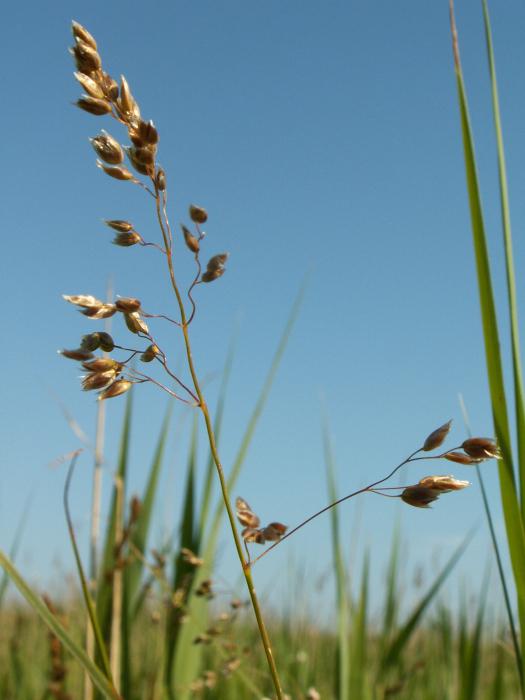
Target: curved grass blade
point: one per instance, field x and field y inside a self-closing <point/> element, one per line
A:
<point x="4" y="582"/>
<point x="401" y="639"/>
<point x="342" y="679"/>
<point x="83" y="581"/>
<point x="98" y="678"/>
<point x="509" y="264"/>
<point x="509" y="497"/>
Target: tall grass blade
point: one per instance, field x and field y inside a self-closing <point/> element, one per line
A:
<point x="358" y="660"/>
<point x="183" y="576"/>
<point x="509" y="264"/>
<point x="342" y="679"/>
<point x="509" y="496"/>
<point x="472" y="649"/>
<point x="403" y="635"/>
<point x="392" y="602"/>
<point x="98" y="678"/>
<point x="17" y="539"/>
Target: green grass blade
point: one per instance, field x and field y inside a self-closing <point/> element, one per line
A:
<point x="358" y="660"/>
<point x="98" y="678"/>
<point x="404" y="634"/>
<point x="472" y="649"/>
<point x="183" y="576"/>
<point x="509" y="264"/>
<point x="105" y="584"/>
<point x="392" y="602"/>
<point x="139" y="536"/>
<point x="83" y="580"/>
<point x="342" y="678"/>
<point x="511" y="507"/>
<point x="17" y="539"/>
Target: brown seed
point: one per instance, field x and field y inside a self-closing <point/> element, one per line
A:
<point x="118" y="172"/>
<point x="419" y="496"/>
<point x="91" y="86"/>
<point x="461" y="458"/>
<point x="139" y="167"/>
<point x="135" y="323"/>
<point x="437" y="438"/>
<point x="145" y="155"/>
<point x="127" y="239"/>
<point x="127" y="304"/>
<point x="90" y="342"/>
<point x="81" y="34"/>
<point x="102" y="364"/>
<point x="198" y="214"/>
<point x="93" y="105"/>
<point x="116" y="389"/>
<point x="482" y="448"/>
<point x="144" y="133"/>
<point x="126" y="102"/>
<point x="107" y="148"/>
<point x="150" y="353"/>
<point x="87" y="301"/>
<point x="109" y="86"/>
<point x="86" y="58"/>
<point x="98" y="380"/>
<point x="250" y="534"/>
<point x="105" y="311"/>
<point x="106" y="342"/>
<point x="160" y="180"/>
<point x="245" y="515"/>
<point x="211" y="276"/>
<point x="192" y="242"/>
<point x="119" y="225"/>
<point x="274" y="532"/>
<point x="443" y="483"/>
<point x="79" y="355"/>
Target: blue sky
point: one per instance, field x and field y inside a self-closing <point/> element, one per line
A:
<point x="323" y="138"/>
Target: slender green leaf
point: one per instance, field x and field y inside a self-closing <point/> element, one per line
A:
<point x="509" y="263"/>
<point x="4" y="581"/>
<point x="98" y="678"/>
<point x="404" y="634"/>
<point x="509" y="496"/>
<point x="358" y="661"/>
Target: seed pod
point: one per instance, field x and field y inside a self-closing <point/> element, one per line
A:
<point x="86" y="58"/>
<point x="106" y="342"/>
<point x="93" y="105"/>
<point x="150" y="353"/>
<point x="127" y="304"/>
<point x="105" y="311"/>
<point x="274" y="532"/>
<point x="436" y="438"/>
<point x="217" y="262"/>
<point x="103" y="364"/>
<point x="443" y="483"/>
<point x="250" y="534"/>
<point x="91" y="86"/>
<point x="119" y="225"/>
<point x="107" y="148"/>
<point x="87" y="301"/>
<point x="419" y="497"/>
<point x="482" y="448"/>
<point x="109" y="86"/>
<point x="192" y="242"/>
<point x="144" y="133"/>
<point x="90" y="342"/>
<point x="81" y="34"/>
<point x="97" y="380"/>
<point x="198" y="215"/>
<point x="245" y="515"/>
<point x="135" y="323"/>
<point x="127" y="239"/>
<point x="116" y="389"/>
<point x="139" y="167"/>
<point x="213" y="275"/>
<point x="144" y="154"/>
<point x="126" y="102"/>
<point x="461" y="458"/>
<point x="117" y="171"/>
<point x="79" y="355"/>
<point x="160" y="180"/>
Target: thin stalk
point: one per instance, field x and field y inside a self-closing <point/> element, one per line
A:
<point x="265" y="639"/>
<point x="116" y="614"/>
<point x="370" y="487"/>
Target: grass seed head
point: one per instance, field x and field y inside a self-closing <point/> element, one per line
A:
<point x="127" y="304"/>
<point x="106" y="341"/>
<point x="150" y="353"/>
<point x="135" y="323"/>
<point x="80" y="355"/>
<point x="87" y="301"/>
<point x="160" y="180"/>
<point x="117" y="171"/>
<point x="125" y="240"/>
<point x="102" y="364"/>
<point x="444" y="484"/>
<point x="198" y="215"/>
<point x="119" y="225"/>
<point x="482" y="448"/>
<point x="104" y="311"/>
<point x="192" y="242"/>
<point x="91" y="87"/>
<point x="86" y="58"/>
<point x="461" y="458"/>
<point x="80" y="33"/>
<point x="107" y="148"/>
<point x="98" y="380"/>
<point x="120" y="386"/>
<point x="436" y="438"/>
<point x="93" y="105"/>
<point x="419" y="496"/>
